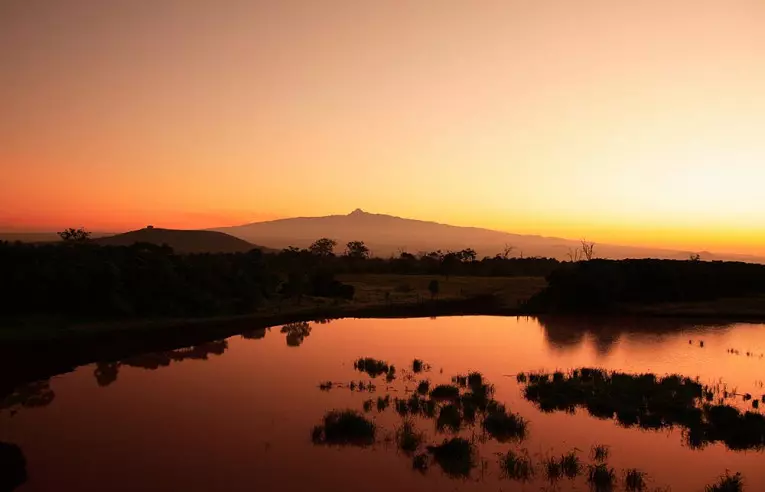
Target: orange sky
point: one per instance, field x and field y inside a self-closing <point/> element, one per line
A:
<point x="625" y="122"/>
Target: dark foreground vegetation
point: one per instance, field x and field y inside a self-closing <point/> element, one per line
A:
<point x="651" y="403"/>
<point x="463" y="415"/>
<point x="13" y="467"/>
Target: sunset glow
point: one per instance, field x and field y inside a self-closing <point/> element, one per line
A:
<point x="624" y="122"/>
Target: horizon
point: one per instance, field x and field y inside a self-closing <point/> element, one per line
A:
<point x="624" y="124"/>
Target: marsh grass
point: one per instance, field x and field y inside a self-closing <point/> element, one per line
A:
<point x="445" y="392"/>
<point x="634" y="480"/>
<point x="373" y="367"/>
<point x="423" y="387"/>
<point x="383" y="403"/>
<point x="503" y="425"/>
<point x="449" y="418"/>
<point x="552" y="469"/>
<point x="418" y="366"/>
<point x="600" y="452"/>
<point x="650" y="402"/>
<point x="408" y="438"/>
<point x="516" y="466"/>
<point x="455" y="456"/>
<point x="344" y="427"/>
<point x="601" y="477"/>
<point x="727" y="483"/>
<point x="570" y="464"/>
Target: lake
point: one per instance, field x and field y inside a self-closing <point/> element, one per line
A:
<point x="240" y="414"/>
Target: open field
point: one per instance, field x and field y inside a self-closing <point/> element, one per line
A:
<point x="397" y="289"/>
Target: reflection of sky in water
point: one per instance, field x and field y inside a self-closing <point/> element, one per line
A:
<point x="237" y="415"/>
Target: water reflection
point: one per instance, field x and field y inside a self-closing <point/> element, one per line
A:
<point x="13" y="467"/>
<point x="36" y="394"/>
<point x="568" y="332"/>
<point x="296" y="333"/>
<point x="106" y="373"/>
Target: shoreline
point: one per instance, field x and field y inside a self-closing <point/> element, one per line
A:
<point x="48" y="353"/>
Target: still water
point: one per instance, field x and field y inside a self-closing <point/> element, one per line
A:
<point x="238" y="414"/>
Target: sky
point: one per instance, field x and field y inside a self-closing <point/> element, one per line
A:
<point x="619" y="121"/>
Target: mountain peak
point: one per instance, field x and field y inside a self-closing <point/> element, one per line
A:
<point x="357" y="213"/>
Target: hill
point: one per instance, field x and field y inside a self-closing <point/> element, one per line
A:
<point x="182" y="241"/>
<point x="387" y="235"/>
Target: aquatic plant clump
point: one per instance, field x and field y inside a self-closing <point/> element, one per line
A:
<point x="445" y="392"/>
<point x="344" y="427"/>
<point x="516" y="466"/>
<point x="503" y="425"/>
<point x="423" y="387"/>
<point x="727" y="483"/>
<point x="601" y="477"/>
<point x="13" y="466"/>
<point x="420" y="462"/>
<point x="570" y="464"/>
<point x="373" y="367"/>
<point x="449" y="418"/>
<point x="408" y="438"/>
<point x="418" y="366"/>
<point x="649" y="402"/>
<point x="634" y="480"/>
<point x="455" y="456"/>
<point x="552" y="468"/>
<point x="600" y="452"/>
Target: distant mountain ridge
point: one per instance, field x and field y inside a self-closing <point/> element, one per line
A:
<point x="387" y="235"/>
<point x="182" y="241"/>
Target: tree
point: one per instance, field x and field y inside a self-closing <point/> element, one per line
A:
<point x="323" y="247"/>
<point x="507" y="251"/>
<point x="72" y="235"/>
<point x="588" y="249"/>
<point x="357" y="249"/>
<point x="694" y="257"/>
<point x="467" y="254"/>
<point x="434" y="287"/>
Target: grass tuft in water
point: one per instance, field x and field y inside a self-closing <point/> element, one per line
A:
<point x="408" y="438"/>
<point x="383" y="403"/>
<point x="552" y="468"/>
<point x="516" y="466"/>
<point x="418" y="366"/>
<point x="455" y="456"/>
<point x="727" y="483"/>
<point x="445" y="392"/>
<point x="634" y="480"/>
<point x="368" y="405"/>
<point x="570" y="465"/>
<point x="450" y="418"/>
<point x="373" y="367"/>
<point x="423" y="387"/>
<point x="503" y="425"/>
<point x="344" y="427"/>
<point x="601" y="477"/>
<point x="600" y="452"/>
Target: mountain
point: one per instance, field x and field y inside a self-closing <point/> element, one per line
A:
<point x="386" y="235"/>
<point x="182" y="241"/>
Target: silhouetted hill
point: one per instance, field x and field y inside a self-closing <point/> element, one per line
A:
<point x="182" y="241"/>
<point x="387" y="235"/>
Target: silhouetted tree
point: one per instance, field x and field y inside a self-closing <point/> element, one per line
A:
<point x="434" y="288"/>
<point x="357" y="250"/>
<point x="588" y="249"/>
<point x="74" y="235"/>
<point x="323" y="247"/>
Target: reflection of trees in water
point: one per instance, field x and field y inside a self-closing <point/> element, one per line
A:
<point x="296" y="333"/>
<point x="13" y="467"/>
<point x="106" y="372"/>
<point x="568" y="332"/>
<point x="37" y="394"/>
<point x="255" y="334"/>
